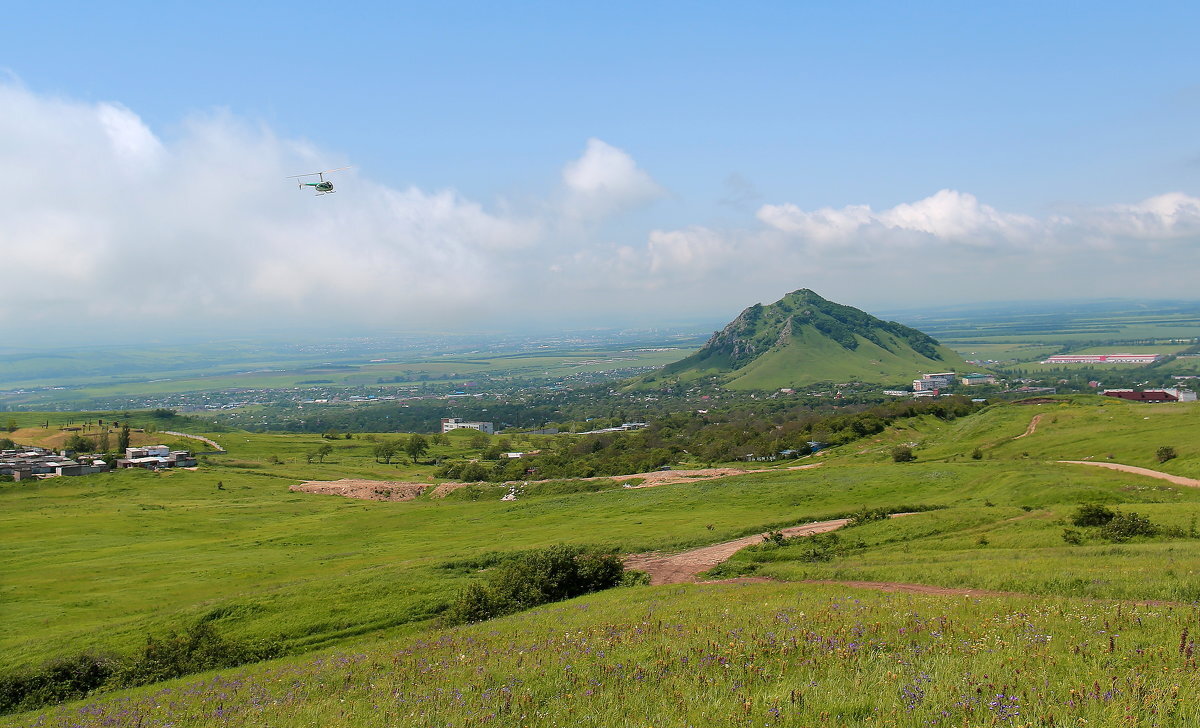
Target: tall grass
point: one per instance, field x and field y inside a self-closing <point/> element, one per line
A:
<point x="736" y="655"/>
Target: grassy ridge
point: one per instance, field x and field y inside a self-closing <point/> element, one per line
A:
<point x="737" y="655"/>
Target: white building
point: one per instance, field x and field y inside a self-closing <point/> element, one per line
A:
<point x="932" y="382"/>
<point x="457" y="423"/>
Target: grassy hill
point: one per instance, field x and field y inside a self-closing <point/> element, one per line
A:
<point x="97" y="563"/>
<point x="803" y="339"/>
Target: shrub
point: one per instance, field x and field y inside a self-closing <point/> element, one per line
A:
<point x="1165" y="453"/>
<point x="537" y="577"/>
<point x="977" y="454"/>
<point x="57" y="681"/>
<point x="1092" y="514"/>
<point x="172" y="655"/>
<point x="195" y="649"/>
<point x="867" y="515"/>
<point x="1072" y="536"/>
<point x="903" y="454"/>
<point x="1125" y="526"/>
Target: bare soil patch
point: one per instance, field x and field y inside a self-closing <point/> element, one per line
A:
<point x="391" y="490"/>
<point x="379" y="490"/>
<point x="1176" y="479"/>
<point x="669" y="477"/>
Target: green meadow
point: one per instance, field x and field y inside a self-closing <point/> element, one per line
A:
<point x="719" y="654"/>
<point x="351" y="589"/>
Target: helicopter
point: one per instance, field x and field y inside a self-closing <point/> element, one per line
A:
<point x="322" y="186"/>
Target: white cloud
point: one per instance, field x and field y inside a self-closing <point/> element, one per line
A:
<point x="945" y="247"/>
<point x="104" y="223"/>
<point x="1165" y="217"/>
<point x="606" y="180"/>
<point x="948" y="215"/>
<point x="109" y="223"/>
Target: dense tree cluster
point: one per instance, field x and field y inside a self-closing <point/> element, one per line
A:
<point x="705" y="436"/>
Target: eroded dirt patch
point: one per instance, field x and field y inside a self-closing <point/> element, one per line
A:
<point x="380" y="490"/>
<point x="392" y="490"/>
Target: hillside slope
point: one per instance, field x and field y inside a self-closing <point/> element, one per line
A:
<point x="804" y="339"/>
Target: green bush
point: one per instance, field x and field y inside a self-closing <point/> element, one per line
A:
<point x="196" y="649"/>
<point x="903" y="454"/>
<point x="1125" y="526"/>
<point x="537" y="577"/>
<point x="1092" y="514"/>
<point x="55" y="682"/>
<point x="1165" y="453"/>
<point x="175" y="654"/>
<point x="1072" y="536"/>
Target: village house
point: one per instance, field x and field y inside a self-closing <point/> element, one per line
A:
<point x="154" y="457"/>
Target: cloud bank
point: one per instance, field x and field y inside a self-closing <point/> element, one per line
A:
<point x="106" y="226"/>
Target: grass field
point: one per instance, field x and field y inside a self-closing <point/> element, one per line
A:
<point x="720" y="654"/>
<point x="99" y="562"/>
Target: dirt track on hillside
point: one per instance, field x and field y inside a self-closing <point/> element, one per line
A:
<point x="1033" y="424"/>
<point x="394" y="490"/>
<point x="678" y="568"/>
<point x="1176" y="479"/>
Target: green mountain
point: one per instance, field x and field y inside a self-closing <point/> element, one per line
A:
<point x="803" y="339"/>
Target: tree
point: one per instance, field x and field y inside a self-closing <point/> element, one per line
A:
<point x="323" y="451"/>
<point x="7" y="444"/>
<point x="479" y="440"/>
<point x="78" y="443"/>
<point x="12" y="425"/>
<point x="104" y="442"/>
<point x="385" y="451"/>
<point x="123" y="438"/>
<point x="903" y="454"/>
<point x="1165" y="453"/>
<point x="416" y="447"/>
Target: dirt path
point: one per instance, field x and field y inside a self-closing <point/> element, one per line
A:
<point x="677" y="568"/>
<point x="670" y="477"/>
<point x="394" y="490"/>
<point x="1176" y="479"/>
<point x="1032" y="427"/>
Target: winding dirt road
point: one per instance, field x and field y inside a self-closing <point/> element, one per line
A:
<point x="1176" y="479"/>
<point x="678" y="568"/>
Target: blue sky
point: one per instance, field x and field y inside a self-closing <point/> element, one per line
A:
<point x="724" y="153"/>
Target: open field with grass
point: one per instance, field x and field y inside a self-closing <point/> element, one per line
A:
<point x="97" y="563"/>
<point x="719" y="654"/>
